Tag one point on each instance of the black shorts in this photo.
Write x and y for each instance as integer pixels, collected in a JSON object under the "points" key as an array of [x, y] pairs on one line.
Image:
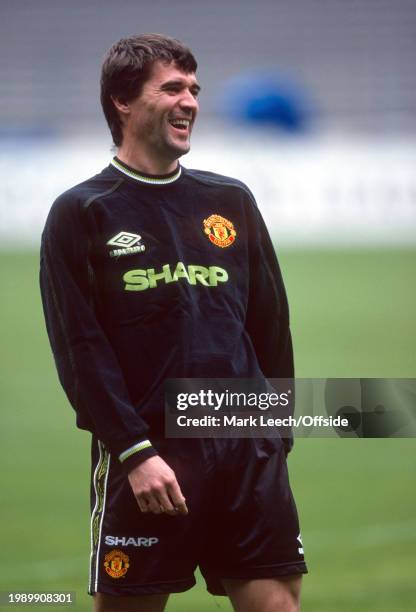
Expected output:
{"points": [[242, 520]]}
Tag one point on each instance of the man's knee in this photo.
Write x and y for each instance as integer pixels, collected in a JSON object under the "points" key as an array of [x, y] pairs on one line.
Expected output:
{"points": [[141, 603], [283, 601], [265, 595]]}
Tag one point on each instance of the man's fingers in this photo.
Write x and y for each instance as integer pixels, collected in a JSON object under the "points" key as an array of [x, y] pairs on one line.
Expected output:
{"points": [[177, 498], [182, 509], [149, 503], [154, 505], [166, 504], [157, 503], [142, 504], [160, 502]]}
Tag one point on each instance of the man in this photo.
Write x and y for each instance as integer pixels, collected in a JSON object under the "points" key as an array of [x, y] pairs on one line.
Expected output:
{"points": [[150, 271]]}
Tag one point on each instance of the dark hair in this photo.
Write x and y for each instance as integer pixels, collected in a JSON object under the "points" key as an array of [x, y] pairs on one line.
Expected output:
{"points": [[127, 66]]}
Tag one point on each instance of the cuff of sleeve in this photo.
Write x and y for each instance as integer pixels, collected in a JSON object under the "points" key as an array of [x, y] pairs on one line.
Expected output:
{"points": [[135, 455], [287, 444]]}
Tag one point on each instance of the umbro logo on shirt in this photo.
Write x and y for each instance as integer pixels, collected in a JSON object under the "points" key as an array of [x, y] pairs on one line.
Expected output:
{"points": [[127, 242]]}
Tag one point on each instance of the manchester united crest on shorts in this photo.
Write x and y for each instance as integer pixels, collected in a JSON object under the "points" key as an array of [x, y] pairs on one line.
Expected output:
{"points": [[116, 564], [220, 231]]}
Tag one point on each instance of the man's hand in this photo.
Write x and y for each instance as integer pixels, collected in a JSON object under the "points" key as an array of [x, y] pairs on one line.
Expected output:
{"points": [[156, 489]]}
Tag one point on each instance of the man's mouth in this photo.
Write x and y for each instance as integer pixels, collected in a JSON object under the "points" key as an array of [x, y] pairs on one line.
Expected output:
{"points": [[180, 124]]}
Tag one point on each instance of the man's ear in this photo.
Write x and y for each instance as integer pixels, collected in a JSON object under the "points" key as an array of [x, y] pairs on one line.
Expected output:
{"points": [[121, 105]]}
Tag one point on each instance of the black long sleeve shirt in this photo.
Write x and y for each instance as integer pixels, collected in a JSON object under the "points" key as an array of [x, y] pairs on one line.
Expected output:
{"points": [[148, 278]]}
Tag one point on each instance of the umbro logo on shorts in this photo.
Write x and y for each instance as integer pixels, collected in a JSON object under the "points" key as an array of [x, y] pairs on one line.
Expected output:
{"points": [[127, 243], [130, 541]]}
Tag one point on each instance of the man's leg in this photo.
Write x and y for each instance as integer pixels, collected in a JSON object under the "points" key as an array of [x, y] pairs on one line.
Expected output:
{"points": [[265, 594], [139, 603]]}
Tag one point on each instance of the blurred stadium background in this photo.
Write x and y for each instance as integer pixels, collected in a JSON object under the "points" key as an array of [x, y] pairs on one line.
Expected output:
{"points": [[310, 102]]}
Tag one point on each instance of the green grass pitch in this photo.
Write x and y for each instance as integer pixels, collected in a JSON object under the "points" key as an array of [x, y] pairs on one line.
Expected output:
{"points": [[353, 314]]}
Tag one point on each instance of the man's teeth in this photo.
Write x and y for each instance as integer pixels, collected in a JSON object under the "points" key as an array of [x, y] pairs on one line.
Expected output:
{"points": [[180, 122]]}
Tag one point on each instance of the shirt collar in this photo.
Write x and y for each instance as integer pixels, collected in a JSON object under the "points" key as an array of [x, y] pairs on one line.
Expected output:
{"points": [[150, 179]]}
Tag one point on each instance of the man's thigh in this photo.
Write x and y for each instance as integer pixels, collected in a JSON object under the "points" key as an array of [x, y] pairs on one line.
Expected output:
{"points": [[265, 594], [140, 603]]}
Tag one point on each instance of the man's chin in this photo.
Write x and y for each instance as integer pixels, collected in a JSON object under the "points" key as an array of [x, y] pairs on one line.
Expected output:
{"points": [[180, 149]]}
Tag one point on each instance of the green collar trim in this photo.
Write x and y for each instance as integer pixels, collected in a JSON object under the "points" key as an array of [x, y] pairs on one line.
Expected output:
{"points": [[146, 178]]}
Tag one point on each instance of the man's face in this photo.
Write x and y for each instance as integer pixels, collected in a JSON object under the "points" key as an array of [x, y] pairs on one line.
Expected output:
{"points": [[160, 120]]}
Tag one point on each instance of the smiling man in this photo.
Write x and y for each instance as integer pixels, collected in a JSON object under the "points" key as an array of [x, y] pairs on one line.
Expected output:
{"points": [[157, 124], [150, 271]]}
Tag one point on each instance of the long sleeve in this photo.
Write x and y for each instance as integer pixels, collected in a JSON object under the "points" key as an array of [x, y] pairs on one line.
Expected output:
{"points": [[87, 366], [267, 320]]}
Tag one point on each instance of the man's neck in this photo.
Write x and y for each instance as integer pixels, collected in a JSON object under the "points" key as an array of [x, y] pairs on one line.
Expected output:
{"points": [[145, 163]]}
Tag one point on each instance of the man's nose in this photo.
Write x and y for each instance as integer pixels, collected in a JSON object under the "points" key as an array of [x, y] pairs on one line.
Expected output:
{"points": [[188, 101]]}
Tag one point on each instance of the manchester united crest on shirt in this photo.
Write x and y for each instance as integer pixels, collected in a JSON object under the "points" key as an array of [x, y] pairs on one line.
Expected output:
{"points": [[220, 231], [116, 564]]}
